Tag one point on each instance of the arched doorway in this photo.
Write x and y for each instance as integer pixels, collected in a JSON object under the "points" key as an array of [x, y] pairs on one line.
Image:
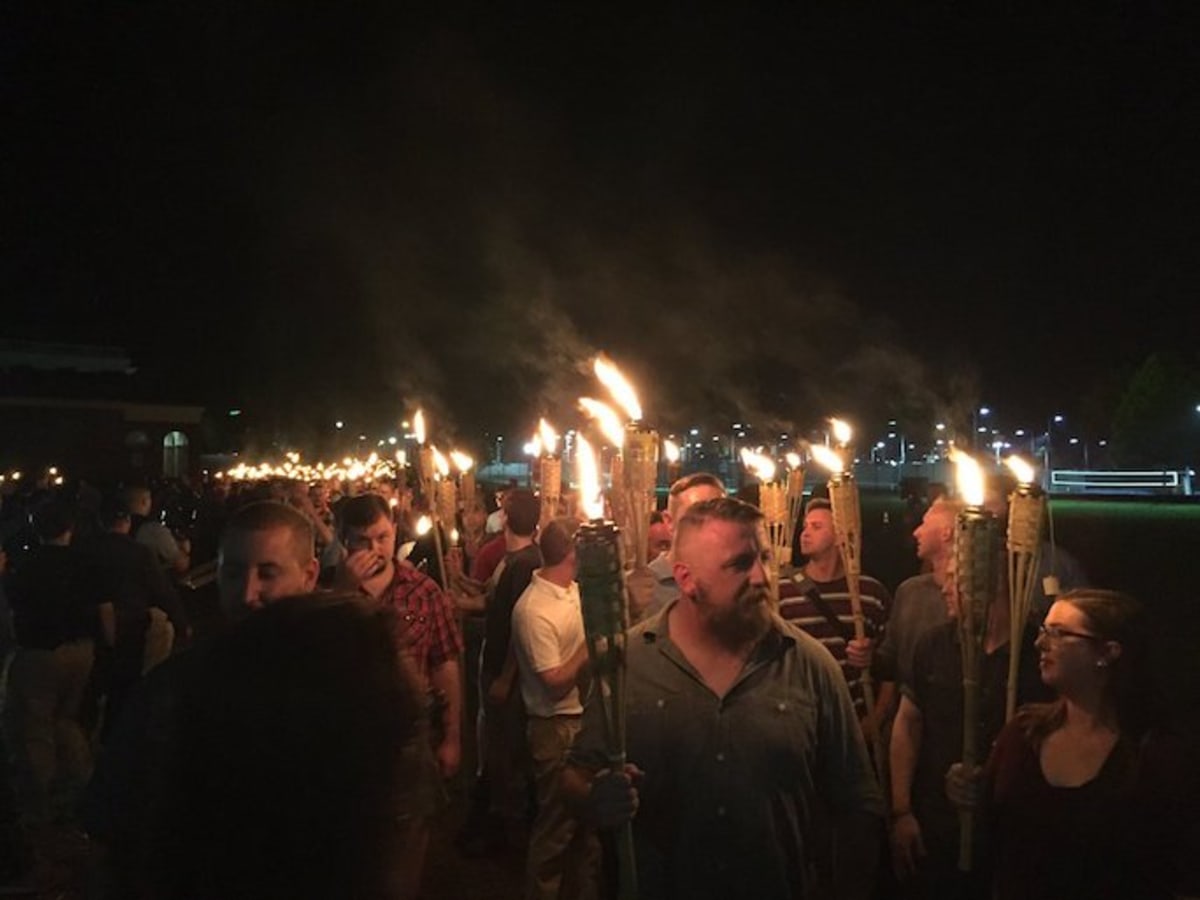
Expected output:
{"points": [[175, 454]]}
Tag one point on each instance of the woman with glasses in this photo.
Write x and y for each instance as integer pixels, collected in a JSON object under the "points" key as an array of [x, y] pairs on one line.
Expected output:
{"points": [[1085, 796]]}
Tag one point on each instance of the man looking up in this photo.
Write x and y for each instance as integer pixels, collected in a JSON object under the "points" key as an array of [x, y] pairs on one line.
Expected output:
{"points": [[742, 727], [918, 604]]}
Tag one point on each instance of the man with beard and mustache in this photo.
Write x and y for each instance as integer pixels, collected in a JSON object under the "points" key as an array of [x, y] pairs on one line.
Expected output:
{"points": [[741, 732]]}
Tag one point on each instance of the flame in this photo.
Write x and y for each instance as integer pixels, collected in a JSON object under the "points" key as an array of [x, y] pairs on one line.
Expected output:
{"points": [[419, 426], [440, 461], [393, 502], [671, 451], [16, 476], [763, 467], [423, 525], [462, 462], [588, 473], [53, 470], [828, 457], [1020, 468], [842, 432], [453, 537], [968, 478], [793, 460], [606, 418], [549, 437], [622, 391], [401, 458]]}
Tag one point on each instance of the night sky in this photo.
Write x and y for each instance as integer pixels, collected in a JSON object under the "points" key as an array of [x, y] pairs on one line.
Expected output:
{"points": [[768, 215]]}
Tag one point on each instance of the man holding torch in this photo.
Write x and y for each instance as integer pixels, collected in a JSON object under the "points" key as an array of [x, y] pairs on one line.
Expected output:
{"points": [[739, 728], [819, 602]]}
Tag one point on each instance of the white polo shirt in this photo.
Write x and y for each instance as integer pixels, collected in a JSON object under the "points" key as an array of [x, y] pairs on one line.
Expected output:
{"points": [[547, 629]]}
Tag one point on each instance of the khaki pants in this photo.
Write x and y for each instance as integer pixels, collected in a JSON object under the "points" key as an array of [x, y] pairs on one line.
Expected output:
{"points": [[564, 854], [52, 760]]}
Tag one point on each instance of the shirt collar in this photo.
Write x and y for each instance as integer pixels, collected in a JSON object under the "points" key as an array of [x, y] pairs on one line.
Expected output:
{"points": [[571, 592]]}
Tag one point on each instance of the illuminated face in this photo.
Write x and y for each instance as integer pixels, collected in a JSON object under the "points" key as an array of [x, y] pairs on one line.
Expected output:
{"points": [[818, 538], [725, 569], [1069, 648], [931, 534], [378, 538], [255, 568]]}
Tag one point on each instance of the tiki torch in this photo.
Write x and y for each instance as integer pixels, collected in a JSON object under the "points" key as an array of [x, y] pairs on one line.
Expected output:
{"points": [[443, 507], [772, 502], [614, 432], [670, 452], [976, 547], [466, 479], [549, 471], [847, 526], [639, 462], [795, 498], [602, 598], [1026, 509]]}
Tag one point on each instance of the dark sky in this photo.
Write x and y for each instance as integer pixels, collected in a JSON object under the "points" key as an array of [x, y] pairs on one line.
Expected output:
{"points": [[763, 214]]}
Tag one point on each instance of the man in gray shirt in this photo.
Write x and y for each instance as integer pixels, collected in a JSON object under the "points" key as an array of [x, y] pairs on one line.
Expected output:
{"points": [[741, 735]]}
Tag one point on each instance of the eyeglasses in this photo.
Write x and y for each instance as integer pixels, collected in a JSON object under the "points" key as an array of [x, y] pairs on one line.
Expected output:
{"points": [[1054, 634]]}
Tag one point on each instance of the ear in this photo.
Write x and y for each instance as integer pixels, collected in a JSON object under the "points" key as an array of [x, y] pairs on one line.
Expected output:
{"points": [[312, 570], [684, 578]]}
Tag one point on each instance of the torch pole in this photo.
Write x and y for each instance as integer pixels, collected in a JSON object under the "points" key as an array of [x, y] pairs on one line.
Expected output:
{"points": [[602, 598], [847, 524], [1024, 544], [976, 542]]}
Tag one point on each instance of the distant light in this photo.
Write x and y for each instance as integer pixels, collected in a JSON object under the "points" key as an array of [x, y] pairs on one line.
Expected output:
{"points": [[1020, 432], [696, 431], [235, 412], [880, 445], [1058, 418], [737, 424], [362, 437], [339, 424], [1103, 443], [981, 429], [1074, 441], [741, 434], [891, 434], [891, 421], [912, 446], [983, 411], [940, 426], [392, 440]]}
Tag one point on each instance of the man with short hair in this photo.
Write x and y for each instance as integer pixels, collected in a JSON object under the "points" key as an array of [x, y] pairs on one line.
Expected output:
{"points": [[266, 554], [740, 727], [173, 555], [818, 600], [918, 604], [651, 590], [551, 653]]}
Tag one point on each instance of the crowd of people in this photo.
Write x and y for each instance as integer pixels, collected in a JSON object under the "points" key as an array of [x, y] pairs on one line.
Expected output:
{"points": [[302, 737]]}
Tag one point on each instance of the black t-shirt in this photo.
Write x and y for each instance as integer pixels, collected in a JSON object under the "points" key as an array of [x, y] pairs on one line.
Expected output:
{"points": [[518, 572], [53, 598]]}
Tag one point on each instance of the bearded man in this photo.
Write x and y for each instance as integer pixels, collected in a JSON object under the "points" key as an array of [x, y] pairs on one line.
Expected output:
{"points": [[741, 733]]}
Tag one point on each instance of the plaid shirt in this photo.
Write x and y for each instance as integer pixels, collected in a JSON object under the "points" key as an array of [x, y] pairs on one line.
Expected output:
{"points": [[426, 625]]}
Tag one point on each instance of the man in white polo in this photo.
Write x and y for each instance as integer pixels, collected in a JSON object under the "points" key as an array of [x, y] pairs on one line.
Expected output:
{"points": [[551, 652]]}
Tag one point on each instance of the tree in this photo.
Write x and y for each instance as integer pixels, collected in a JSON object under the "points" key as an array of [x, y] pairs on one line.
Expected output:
{"points": [[1156, 423]]}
